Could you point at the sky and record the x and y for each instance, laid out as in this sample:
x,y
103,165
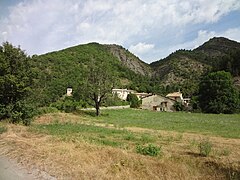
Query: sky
x,y
151,29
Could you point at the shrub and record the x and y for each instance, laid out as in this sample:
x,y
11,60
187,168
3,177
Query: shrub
x,y
134,102
150,150
205,147
178,106
21,111
114,100
68,104
45,110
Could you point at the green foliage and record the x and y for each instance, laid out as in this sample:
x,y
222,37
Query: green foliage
x,y
46,110
21,111
134,101
70,68
194,103
66,104
229,62
16,79
178,106
99,81
217,93
113,100
150,150
205,147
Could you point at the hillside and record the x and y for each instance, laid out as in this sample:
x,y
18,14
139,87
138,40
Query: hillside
x,y
181,70
130,60
65,68
184,68
179,66
217,47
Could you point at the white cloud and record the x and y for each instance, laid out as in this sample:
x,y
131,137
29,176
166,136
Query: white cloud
x,y
41,26
141,48
233,33
203,36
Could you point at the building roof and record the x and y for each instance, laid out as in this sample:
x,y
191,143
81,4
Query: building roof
x,y
126,90
174,94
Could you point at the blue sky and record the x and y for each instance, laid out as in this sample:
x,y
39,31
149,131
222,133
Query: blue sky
x,y
150,29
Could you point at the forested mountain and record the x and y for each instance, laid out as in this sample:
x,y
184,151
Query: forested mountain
x,y
92,70
184,68
181,70
66,68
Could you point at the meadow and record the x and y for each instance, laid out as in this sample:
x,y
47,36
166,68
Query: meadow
x,y
114,127
129,143
223,125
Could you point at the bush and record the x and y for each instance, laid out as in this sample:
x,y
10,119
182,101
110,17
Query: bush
x,y
113,100
133,100
68,104
205,147
21,111
150,150
178,106
45,110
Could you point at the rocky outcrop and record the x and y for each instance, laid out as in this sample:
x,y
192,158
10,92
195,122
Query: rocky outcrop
x,y
130,60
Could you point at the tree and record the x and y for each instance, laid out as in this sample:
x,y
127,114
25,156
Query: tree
x,y
98,82
217,93
133,99
15,80
178,106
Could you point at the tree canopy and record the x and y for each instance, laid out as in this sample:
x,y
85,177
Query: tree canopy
x,y
217,93
15,79
98,82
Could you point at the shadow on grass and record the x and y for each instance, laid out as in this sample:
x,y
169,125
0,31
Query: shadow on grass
x,y
91,113
227,171
194,154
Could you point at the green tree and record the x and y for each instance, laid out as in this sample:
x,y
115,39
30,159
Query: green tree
x,y
15,81
178,106
217,93
98,82
133,100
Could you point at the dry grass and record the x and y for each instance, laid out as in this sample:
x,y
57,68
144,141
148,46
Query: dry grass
x,y
81,160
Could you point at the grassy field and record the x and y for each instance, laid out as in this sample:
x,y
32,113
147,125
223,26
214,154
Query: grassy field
x,y
213,124
128,144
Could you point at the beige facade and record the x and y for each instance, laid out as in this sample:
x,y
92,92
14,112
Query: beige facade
x,y
122,93
69,91
177,96
142,95
158,103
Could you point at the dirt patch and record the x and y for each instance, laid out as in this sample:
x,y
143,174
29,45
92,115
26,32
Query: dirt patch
x,y
11,170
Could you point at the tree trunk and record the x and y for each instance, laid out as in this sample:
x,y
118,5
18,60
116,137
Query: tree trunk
x,y
97,108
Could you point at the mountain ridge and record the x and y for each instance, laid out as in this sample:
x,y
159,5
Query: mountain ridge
x,y
182,69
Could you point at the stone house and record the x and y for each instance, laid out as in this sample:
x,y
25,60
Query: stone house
x,y
142,95
177,96
158,103
122,93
